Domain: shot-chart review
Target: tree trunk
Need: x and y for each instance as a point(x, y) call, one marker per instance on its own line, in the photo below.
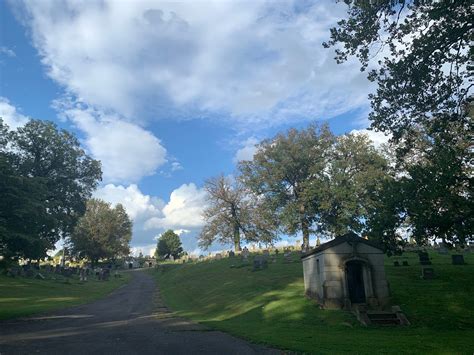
point(305, 230)
point(236, 237)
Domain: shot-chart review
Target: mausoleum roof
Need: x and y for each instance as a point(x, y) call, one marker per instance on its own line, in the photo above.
point(350, 237)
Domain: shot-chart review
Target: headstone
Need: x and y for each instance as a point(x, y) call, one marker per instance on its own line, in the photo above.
point(231, 254)
point(396, 263)
point(424, 258)
point(40, 276)
point(245, 254)
point(218, 256)
point(82, 274)
point(287, 257)
point(171, 257)
point(266, 253)
point(442, 249)
point(405, 263)
point(457, 259)
point(30, 272)
point(427, 273)
point(259, 263)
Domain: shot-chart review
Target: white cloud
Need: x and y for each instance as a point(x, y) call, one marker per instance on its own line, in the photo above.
point(377, 138)
point(127, 151)
point(152, 216)
point(261, 62)
point(175, 166)
point(7, 51)
point(137, 205)
point(10, 115)
point(247, 151)
point(183, 211)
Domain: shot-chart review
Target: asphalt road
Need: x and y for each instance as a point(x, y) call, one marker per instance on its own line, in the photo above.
point(131, 320)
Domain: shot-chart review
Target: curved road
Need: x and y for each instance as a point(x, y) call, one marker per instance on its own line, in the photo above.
point(131, 320)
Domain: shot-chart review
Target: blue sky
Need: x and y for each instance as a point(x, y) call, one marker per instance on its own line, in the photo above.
point(167, 94)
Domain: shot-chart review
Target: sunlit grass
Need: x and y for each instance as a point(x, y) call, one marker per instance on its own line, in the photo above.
point(268, 306)
point(22, 297)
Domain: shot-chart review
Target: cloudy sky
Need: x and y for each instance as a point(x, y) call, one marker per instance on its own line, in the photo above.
point(167, 94)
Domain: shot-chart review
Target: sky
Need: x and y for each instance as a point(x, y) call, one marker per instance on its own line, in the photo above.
point(168, 94)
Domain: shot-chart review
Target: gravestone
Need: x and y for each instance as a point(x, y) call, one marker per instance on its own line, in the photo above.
point(405, 263)
point(396, 263)
point(457, 259)
point(30, 272)
point(287, 257)
point(442, 249)
point(266, 254)
point(424, 258)
point(39, 276)
point(245, 254)
point(218, 256)
point(427, 273)
point(259, 263)
point(82, 275)
point(231, 254)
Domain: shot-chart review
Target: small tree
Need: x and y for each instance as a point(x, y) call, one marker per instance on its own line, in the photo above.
point(233, 215)
point(169, 244)
point(103, 232)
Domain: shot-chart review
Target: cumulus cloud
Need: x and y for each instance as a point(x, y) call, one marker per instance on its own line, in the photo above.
point(127, 151)
point(249, 147)
point(260, 62)
point(152, 216)
point(10, 115)
point(138, 205)
point(183, 211)
point(377, 138)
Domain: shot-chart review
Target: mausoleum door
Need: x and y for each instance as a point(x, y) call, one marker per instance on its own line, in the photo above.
point(355, 282)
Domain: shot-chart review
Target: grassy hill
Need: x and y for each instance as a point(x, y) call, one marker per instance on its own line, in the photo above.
point(268, 307)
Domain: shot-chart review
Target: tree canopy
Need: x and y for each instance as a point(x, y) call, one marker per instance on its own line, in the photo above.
point(103, 232)
point(418, 53)
point(45, 180)
point(233, 215)
point(169, 244)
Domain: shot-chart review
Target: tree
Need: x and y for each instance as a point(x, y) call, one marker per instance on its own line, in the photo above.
point(355, 171)
point(43, 151)
point(24, 221)
point(102, 232)
point(233, 215)
point(424, 73)
point(424, 99)
point(169, 244)
point(284, 173)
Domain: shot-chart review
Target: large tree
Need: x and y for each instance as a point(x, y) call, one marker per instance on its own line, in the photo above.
point(45, 178)
point(55, 156)
point(284, 173)
point(169, 244)
point(103, 232)
point(355, 171)
point(419, 55)
point(233, 215)
point(422, 69)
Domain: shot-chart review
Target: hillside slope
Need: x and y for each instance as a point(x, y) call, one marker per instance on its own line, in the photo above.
point(268, 306)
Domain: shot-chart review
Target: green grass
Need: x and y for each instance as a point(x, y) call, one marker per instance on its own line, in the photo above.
point(268, 307)
point(23, 297)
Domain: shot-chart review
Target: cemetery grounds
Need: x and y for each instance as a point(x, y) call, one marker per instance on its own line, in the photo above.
point(21, 296)
point(268, 306)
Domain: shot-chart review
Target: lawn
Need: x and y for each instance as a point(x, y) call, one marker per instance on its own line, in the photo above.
point(23, 297)
point(268, 307)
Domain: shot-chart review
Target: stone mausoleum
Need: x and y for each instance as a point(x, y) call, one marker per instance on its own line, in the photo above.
point(345, 272)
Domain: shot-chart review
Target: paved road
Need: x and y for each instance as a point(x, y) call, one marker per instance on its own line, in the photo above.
point(132, 320)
